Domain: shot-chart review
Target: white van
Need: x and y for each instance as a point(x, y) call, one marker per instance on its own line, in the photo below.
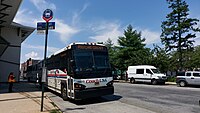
point(145, 73)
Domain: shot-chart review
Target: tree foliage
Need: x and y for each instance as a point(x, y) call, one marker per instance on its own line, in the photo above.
point(178, 34)
point(195, 58)
point(131, 49)
point(192, 58)
point(160, 58)
point(111, 51)
point(178, 31)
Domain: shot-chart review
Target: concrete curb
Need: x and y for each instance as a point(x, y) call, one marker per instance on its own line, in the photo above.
point(123, 81)
point(170, 83)
point(58, 110)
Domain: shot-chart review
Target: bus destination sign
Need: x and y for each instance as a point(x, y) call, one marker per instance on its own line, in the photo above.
point(92, 47)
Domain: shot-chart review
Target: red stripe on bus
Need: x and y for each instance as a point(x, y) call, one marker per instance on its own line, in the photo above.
point(57, 75)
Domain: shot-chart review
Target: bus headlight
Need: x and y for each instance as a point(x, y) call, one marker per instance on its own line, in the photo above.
point(79, 86)
point(110, 83)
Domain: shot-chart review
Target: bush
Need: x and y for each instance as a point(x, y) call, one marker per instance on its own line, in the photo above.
point(171, 79)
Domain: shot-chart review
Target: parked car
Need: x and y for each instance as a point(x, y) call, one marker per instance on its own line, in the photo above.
point(188, 78)
point(145, 73)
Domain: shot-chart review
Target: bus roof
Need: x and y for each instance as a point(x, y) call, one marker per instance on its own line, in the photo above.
point(77, 43)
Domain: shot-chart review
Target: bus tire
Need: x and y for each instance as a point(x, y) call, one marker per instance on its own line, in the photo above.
point(64, 92)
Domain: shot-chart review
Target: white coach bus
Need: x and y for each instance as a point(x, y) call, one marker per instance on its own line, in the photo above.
point(79, 71)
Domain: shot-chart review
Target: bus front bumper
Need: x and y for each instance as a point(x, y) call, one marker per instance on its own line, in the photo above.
point(94, 92)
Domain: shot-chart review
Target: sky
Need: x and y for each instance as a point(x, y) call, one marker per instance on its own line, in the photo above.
point(94, 21)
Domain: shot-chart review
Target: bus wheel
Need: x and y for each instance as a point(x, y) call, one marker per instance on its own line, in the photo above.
point(64, 92)
point(132, 80)
point(154, 82)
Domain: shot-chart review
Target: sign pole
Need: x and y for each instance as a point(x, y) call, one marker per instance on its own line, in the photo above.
point(44, 64)
point(47, 15)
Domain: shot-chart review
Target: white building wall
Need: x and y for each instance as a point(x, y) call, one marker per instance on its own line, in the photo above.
point(12, 54)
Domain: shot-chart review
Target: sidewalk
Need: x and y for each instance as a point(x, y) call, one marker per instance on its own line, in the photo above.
point(25, 98)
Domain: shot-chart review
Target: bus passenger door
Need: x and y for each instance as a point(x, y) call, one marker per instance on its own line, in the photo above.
point(70, 88)
point(57, 81)
point(51, 79)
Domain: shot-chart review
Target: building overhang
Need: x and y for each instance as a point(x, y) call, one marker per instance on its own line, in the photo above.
point(23, 31)
point(8, 10)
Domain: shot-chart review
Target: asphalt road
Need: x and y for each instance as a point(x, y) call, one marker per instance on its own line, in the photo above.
point(137, 98)
point(160, 98)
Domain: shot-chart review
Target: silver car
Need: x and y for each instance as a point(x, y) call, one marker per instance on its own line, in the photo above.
point(188, 78)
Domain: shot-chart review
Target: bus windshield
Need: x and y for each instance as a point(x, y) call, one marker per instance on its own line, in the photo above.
point(91, 63)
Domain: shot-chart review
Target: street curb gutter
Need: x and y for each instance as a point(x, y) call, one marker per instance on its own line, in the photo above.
point(123, 81)
point(58, 110)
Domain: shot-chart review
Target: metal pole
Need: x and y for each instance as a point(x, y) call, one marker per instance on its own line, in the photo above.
point(44, 63)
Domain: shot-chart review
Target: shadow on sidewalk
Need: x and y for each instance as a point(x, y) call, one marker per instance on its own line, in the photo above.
point(20, 87)
point(1, 100)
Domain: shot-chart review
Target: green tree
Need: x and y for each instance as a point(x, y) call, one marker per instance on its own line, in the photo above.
point(194, 58)
point(131, 50)
point(178, 31)
point(187, 64)
point(160, 59)
point(174, 61)
point(109, 46)
point(111, 50)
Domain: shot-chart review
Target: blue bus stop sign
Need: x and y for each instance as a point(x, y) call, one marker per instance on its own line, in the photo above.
point(47, 15)
point(42, 25)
